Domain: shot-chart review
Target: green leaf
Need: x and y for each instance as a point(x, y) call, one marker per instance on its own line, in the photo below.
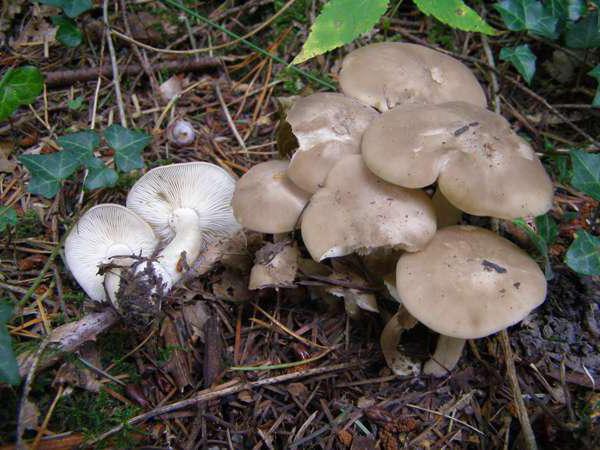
point(128, 146)
point(586, 173)
point(19, 87)
point(585, 33)
point(595, 72)
point(456, 14)
point(67, 34)
point(71, 8)
point(8, 218)
point(530, 15)
point(522, 58)
point(566, 9)
point(100, 176)
point(583, 255)
point(540, 244)
point(48, 171)
point(76, 103)
point(547, 228)
point(339, 23)
point(9, 368)
point(81, 144)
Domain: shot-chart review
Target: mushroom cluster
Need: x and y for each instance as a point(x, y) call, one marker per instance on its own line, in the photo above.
point(410, 120)
point(172, 213)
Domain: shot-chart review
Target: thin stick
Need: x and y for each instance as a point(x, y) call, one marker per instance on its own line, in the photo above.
point(115, 66)
point(44, 426)
point(221, 391)
point(453, 419)
point(511, 371)
point(230, 122)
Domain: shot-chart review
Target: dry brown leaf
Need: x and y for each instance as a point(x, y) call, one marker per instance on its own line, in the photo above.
point(232, 286)
point(276, 266)
point(177, 365)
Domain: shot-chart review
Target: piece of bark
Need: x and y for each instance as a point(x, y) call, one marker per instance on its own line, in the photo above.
point(178, 364)
point(212, 351)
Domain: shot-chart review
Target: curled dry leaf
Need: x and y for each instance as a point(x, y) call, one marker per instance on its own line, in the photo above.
point(276, 266)
point(400, 363)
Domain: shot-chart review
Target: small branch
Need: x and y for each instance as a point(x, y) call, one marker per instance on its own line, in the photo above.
point(115, 66)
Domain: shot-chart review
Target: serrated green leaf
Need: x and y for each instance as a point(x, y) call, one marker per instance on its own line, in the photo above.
point(9, 368)
point(8, 218)
point(67, 33)
point(547, 228)
point(99, 175)
point(595, 73)
point(48, 171)
point(530, 15)
point(540, 244)
point(19, 87)
point(585, 33)
point(566, 9)
point(128, 146)
point(71, 8)
point(456, 14)
point(339, 23)
point(583, 255)
point(522, 58)
point(586, 173)
point(80, 144)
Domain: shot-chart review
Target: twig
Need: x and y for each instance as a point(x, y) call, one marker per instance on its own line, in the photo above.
point(38, 280)
point(221, 391)
point(453, 419)
point(115, 66)
point(495, 85)
point(516, 390)
point(230, 122)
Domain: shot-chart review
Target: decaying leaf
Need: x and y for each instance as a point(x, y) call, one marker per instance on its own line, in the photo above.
point(177, 365)
point(276, 266)
point(231, 286)
point(400, 364)
point(6, 165)
point(196, 315)
point(76, 374)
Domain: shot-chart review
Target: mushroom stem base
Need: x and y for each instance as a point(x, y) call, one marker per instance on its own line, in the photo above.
point(447, 353)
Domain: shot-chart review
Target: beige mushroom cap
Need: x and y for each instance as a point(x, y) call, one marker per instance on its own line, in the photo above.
point(356, 211)
point(327, 126)
point(469, 283)
point(484, 168)
point(265, 200)
point(388, 74)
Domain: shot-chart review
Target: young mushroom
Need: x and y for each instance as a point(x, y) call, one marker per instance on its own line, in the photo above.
point(327, 127)
point(467, 283)
point(188, 206)
point(356, 211)
point(388, 74)
point(104, 232)
point(482, 166)
point(265, 200)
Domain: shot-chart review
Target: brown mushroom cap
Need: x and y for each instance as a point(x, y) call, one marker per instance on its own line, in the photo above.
point(327, 126)
point(469, 283)
point(388, 74)
point(356, 211)
point(484, 168)
point(265, 200)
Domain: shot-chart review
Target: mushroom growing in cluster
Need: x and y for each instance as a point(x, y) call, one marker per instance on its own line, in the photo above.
point(410, 119)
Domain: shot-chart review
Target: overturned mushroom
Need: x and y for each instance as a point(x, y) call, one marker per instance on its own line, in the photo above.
point(356, 211)
point(104, 232)
point(327, 127)
point(265, 200)
point(482, 166)
point(188, 206)
point(466, 284)
point(388, 74)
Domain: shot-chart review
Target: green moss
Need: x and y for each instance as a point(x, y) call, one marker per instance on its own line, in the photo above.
point(29, 225)
point(441, 34)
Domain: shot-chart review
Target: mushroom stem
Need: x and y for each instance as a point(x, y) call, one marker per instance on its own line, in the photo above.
point(112, 280)
point(447, 353)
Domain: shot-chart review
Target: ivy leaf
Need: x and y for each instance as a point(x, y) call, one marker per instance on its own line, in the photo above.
point(48, 171)
point(585, 33)
point(100, 176)
point(339, 23)
point(530, 15)
point(586, 173)
point(8, 218)
point(456, 14)
point(566, 9)
point(19, 87)
point(81, 144)
point(128, 146)
point(9, 368)
point(595, 72)
point(522, 58)
point(583, 255)
point(71, 8)
point(547, 228)
point(67, 33)
point(540, 244)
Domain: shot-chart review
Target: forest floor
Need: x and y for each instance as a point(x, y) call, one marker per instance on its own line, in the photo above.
point(182, 382)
